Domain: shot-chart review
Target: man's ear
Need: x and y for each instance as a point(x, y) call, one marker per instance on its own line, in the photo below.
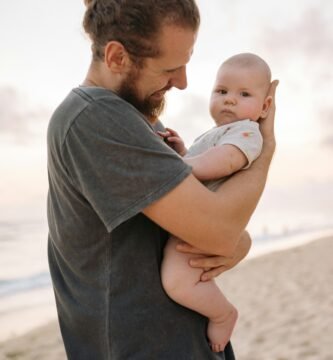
point(266, 106)
point(116, 57)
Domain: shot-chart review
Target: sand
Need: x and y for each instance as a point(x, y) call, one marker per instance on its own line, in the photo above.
point(285, 302)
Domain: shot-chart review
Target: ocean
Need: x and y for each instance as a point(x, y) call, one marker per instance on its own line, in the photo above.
point(26, 295)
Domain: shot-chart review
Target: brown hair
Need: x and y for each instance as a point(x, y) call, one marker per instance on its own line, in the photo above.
point(135, 23)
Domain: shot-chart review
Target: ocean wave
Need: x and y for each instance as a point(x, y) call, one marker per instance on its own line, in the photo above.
point(16, 285)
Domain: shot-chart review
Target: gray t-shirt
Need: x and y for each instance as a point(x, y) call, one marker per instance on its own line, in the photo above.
point(105, 165)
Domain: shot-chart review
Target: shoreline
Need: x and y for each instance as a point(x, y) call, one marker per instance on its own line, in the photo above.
point(288, 242)
point(278, 295)
point(24, 312)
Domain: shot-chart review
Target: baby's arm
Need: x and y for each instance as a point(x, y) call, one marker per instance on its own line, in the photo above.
point(217, 162)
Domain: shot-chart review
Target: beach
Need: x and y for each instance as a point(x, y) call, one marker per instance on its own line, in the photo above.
point(285, 304)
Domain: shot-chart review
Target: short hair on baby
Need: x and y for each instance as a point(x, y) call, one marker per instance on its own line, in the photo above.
point(249, 60)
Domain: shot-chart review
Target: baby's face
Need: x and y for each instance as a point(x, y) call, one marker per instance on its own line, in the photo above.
point(239, 93)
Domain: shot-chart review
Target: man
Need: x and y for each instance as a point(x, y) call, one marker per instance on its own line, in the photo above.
point(115, 188)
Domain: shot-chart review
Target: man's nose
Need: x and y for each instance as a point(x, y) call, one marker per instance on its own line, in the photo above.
point(179, 79)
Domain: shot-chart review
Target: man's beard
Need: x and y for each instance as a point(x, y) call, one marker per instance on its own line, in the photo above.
point(148, 107)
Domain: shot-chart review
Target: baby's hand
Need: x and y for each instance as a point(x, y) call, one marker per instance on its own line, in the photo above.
point(172, 138)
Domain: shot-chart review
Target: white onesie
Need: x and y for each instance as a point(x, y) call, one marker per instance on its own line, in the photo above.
point(243, 134)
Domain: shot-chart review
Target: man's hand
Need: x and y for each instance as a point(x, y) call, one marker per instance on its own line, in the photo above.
point(267, 124)
point(172, 138)
point(214, 265)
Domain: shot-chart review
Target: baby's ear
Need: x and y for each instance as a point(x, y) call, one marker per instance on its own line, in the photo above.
point(266, 106)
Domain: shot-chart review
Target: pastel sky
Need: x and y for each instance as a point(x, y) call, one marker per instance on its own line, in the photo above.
point(44, 53)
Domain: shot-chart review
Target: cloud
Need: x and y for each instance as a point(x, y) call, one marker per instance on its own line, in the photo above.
point(326, 115)
point(310, 35)
point(328, 132)
point(326, 123)
point(328, 141)
point(18, 120)
point(301, 51)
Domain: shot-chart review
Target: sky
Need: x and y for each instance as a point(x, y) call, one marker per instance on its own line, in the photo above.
point(44, 53)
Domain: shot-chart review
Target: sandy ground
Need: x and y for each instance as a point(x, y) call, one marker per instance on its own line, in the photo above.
point(285, 301)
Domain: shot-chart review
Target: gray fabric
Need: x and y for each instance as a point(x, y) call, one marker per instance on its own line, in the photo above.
point(105, 165)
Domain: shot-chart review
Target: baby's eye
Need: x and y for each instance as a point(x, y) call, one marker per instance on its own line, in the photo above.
point(222, 91)
point(245, 94)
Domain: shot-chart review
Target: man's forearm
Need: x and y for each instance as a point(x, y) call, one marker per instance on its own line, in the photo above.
point(242, 249)
point(213, 266)
point(244, 189)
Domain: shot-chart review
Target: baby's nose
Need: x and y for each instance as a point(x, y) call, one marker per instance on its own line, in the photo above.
point(230, 100)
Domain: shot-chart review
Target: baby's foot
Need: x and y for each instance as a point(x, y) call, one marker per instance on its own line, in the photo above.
point(220, 329)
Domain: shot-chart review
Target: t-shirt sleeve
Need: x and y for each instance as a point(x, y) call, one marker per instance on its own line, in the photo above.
point(118, 163)
point(246, 136)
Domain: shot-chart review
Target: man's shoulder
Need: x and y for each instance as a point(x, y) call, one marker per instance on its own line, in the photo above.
point(91, 94)
point(94, 109)
point(94, 98)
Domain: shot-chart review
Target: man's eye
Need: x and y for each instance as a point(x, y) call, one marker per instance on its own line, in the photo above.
point(245, 94)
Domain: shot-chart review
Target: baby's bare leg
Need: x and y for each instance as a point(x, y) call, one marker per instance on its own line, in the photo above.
point(182, 283)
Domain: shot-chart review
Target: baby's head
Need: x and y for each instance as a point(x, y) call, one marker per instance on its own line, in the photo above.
point(240, 90)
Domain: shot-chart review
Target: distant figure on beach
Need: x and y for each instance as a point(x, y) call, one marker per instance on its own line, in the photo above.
point(238, 100)
point(116, 191)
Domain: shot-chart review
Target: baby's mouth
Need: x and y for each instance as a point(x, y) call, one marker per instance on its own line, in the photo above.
point(227, 112)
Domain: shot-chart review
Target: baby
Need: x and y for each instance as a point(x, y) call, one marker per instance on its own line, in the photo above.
point(238, 100)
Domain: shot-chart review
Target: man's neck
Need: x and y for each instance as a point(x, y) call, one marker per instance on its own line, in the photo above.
point(99, 76)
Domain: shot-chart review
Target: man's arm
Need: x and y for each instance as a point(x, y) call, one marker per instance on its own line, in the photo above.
point(211, 221)
point(215, 265)
point(217, 162)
